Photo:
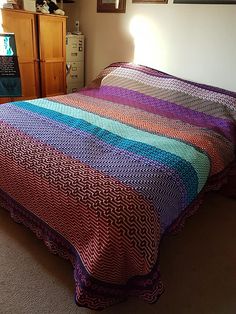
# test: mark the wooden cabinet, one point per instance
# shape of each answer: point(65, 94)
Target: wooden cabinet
point(40, 42)
point(23, 25)
point(52, 51)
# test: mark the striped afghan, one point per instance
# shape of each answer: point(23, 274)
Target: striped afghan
point(102, 174)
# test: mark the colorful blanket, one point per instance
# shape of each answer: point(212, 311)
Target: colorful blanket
point(101, 175)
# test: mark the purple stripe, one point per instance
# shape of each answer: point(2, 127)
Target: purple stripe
point(163, 108)
point(157, 73)
point(156, 181)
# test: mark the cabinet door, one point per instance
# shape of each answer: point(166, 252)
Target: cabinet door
point(52, 47)
point(22, 24)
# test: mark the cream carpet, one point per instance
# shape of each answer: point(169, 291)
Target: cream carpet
point(198, 268)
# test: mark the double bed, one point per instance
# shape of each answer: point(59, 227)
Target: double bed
point(102, 175)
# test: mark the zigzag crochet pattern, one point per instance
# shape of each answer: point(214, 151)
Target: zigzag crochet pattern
point(101, 175)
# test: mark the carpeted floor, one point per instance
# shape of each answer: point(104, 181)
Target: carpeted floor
point(198, 268)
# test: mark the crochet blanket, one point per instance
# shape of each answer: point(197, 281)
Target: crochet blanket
point(101, 175)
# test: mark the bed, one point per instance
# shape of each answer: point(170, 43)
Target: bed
point(102, 175)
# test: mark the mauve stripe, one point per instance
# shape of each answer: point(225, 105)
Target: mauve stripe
point(191, 101)
point(164, 108)
point(88, 147)
point(171, 84)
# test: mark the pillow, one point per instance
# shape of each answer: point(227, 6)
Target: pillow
point(155, 83)
point(96, 83)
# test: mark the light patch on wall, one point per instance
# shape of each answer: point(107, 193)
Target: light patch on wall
point(148, 46)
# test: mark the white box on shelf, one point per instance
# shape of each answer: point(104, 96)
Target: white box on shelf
point(29, 5)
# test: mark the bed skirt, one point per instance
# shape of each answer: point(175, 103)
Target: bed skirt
point(91, 292)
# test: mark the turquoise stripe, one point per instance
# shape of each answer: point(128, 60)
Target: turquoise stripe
point(184, 151)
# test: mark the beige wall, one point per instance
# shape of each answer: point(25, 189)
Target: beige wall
point(196, 42)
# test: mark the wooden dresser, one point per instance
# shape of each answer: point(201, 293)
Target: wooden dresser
point(41, 49)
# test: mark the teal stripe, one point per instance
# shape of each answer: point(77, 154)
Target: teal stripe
point(41, 124)
point(178, 148)
point(182, 167)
